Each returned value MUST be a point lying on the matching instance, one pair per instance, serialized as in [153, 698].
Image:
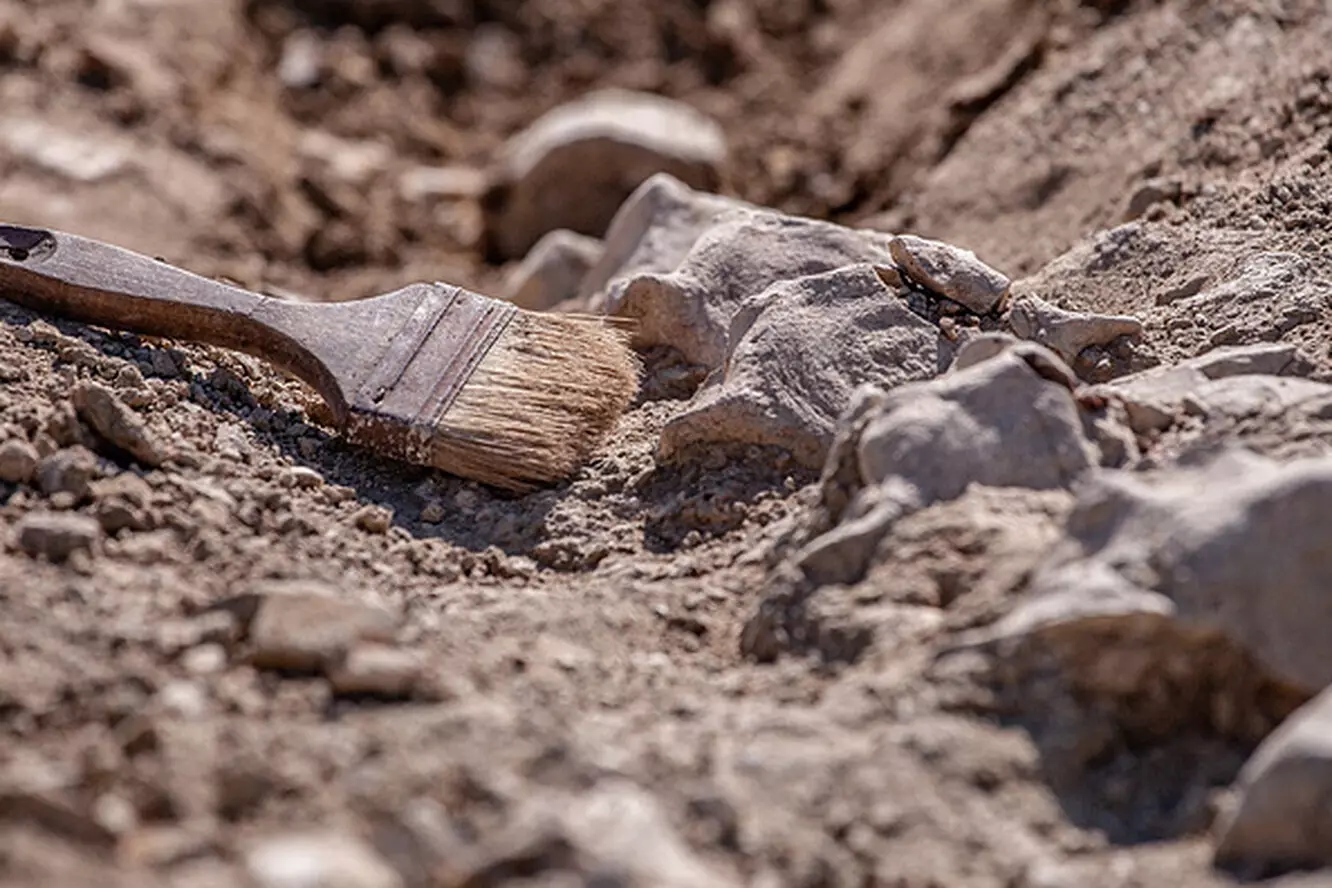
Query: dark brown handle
[96, 283]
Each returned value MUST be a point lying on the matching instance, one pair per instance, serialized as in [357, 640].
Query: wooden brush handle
[96, 283]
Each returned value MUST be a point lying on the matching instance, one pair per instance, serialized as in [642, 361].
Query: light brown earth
[583, 641]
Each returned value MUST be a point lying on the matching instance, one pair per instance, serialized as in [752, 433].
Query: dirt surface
[585, 693]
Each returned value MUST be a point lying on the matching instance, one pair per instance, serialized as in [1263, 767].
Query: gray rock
[740, 254]
[552, 271]
[654, 231]
[305, 627]
[950, 271]
[999, 423]
[1281, 817]
[1235, 548]
[1067, 333]
[794, 354]
[18, 461]
[116, 423]
[318, 860]
[1229, 381]
[56, 535]
[575, 166]
[69, 471]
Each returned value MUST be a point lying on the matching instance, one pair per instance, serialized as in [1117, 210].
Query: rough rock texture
[575, 165]
[116, 423]
[1000, 423]
[738, 253]
[1067, 333]
[795, 352]
[1235, 548]
[951, 272]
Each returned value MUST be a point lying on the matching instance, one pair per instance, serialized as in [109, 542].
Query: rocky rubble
[980, 546]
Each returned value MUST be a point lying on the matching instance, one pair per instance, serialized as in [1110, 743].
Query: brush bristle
[545, 395]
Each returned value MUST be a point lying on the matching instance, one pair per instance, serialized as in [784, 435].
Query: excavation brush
[430, 374]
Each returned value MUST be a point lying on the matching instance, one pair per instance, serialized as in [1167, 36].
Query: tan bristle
[544, 396]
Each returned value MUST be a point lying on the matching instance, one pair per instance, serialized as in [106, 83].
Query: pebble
[18, 461]
[950, 271]
[378, 670]
[318, 860]
[303, 478]
[116, 423]
[576, 165]
[309, 627]
[69, 471]
[553, 270]
[56, 535]
[373, 519]
[1065, 332]
[205, 659]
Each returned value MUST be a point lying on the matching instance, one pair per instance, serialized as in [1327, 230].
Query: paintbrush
[429, 374]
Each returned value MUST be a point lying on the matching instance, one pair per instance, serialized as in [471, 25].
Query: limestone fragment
[552, 271]
[1236, 547]
[1281, 817]
[726, 253]
[376, 669]
[318, 860]
[1000, 423]
[1067, 333]
[307, 627]
[116, 423]
[794, 354]
[18, 461]
[575, 166]
[69, 472]
[56, 535]
[950, 271]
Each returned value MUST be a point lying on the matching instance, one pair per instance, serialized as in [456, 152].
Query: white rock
[574, 166]
[375, 669]
[795, 352]
[318, 860]
[739, 253]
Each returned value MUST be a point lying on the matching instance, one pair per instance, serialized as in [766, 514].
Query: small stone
[373, 519]
[441, 183]
[1192, 287]
[204, 659]
[301, 64]
[18, 461]
[1067, 333]
[304, 627]
[1281, 817]
[318, 860]
[950, 271]
[116, 423]
[68, 471]
[377, 670]
[1148, 194]
[576, 165]
[303, 478]
[56, 535]
[433, 512]
[552, 271]
[183, 698]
